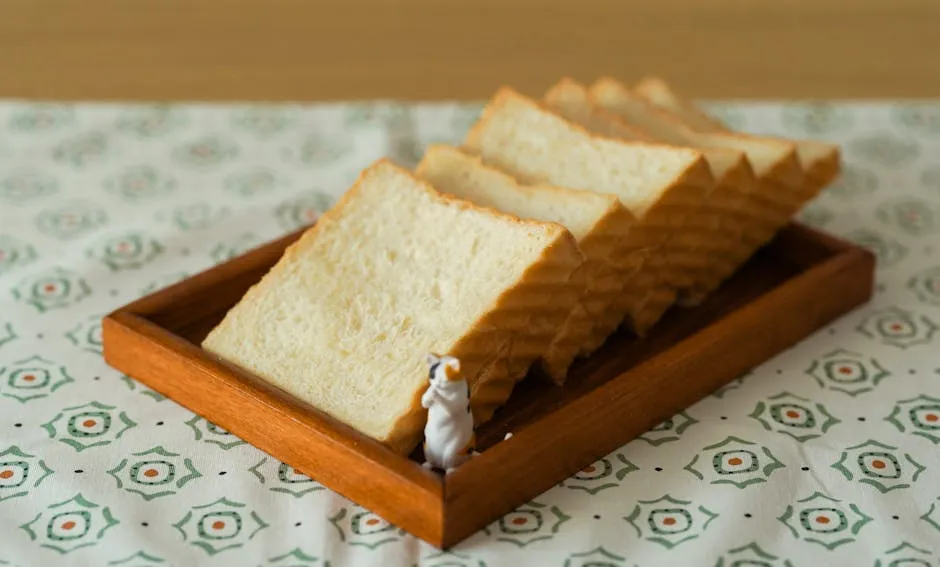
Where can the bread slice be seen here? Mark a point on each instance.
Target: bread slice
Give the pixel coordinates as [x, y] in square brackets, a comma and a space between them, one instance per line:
[662, 186]
[599, 223]
[633, 118]
[821, 162]
[769, 204]
[395, 270]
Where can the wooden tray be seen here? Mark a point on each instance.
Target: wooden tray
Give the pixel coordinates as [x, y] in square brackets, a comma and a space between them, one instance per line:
[801, 281]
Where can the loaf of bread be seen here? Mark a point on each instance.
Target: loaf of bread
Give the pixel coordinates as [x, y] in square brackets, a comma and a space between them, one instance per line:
[393, 271]
[599, 222]
[663, 186]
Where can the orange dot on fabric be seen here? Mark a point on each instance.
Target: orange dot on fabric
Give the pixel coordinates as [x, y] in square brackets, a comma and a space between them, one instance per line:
[845, 370]
[372, 521]
[311, 214]
[519, 521]
[6, 474]
[68, 525]
[878, 464]
[49, 287]
[29, 378]
[218, 525]
[822, 520]
[669, 521]
[588, 469]
[931, 417]
[89, 423]
[793, 414]
[895, 326]
[734, 461]
[150, 472]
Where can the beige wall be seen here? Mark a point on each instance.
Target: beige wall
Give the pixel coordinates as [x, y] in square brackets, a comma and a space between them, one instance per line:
[432, 49]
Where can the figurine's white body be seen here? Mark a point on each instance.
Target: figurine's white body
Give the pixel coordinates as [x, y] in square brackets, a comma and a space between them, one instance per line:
[449, 439]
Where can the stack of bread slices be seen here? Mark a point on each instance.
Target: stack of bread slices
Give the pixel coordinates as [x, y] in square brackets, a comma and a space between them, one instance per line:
[555, 223]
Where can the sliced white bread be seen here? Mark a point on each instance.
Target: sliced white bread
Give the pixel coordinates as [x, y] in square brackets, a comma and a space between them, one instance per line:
[775, 199]
[662, 186]
[821, 162]
[393, 271]
[635, 119]
[599, 223]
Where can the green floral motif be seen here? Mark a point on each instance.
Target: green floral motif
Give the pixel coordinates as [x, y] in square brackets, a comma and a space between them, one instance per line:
[528, 524]
[925, 285]
[20, 472]
[87, 335]
[878, 465]
[283, 478]
[597, 557]
[71, 524]
[905, 555]
[378, 114]
[669, 430]
[252, 182]
[794, 416]
[323, 149]
[41, 117]
[302, 211]
[140, 183]
[449, 559]
[154, 473]
[918, 116]
[751, 555]
[818, 118]
[407, 151]
[847, 372]
[899, 328]
[27, 186]
[293, 558]
[71, 220]
[128, 251]
[920, 416]
[31, 379]
[14, 253]
[7, 334]
[668, 521]
[853, 183]
[824, 520]
[57, 288]
[734, 461]
[265, 120]
[602, 474]
[89, 425]
[197, 216]
[888, 252]
[932, 517]
[133, 384]
[360, 527]
[206, 152]
[241, 244]
[139, 559]
[816, 215]
[731, 386]
[884, 149]
[220, 525]
[82, 149]
[913, 215]
[150, 121]
[212, 434]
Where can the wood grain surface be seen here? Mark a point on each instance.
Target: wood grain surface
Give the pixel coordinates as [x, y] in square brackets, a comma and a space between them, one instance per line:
[307, 50]
[799, 282]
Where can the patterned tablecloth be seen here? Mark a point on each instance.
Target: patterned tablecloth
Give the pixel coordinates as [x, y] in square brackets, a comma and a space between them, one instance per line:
[827, 454]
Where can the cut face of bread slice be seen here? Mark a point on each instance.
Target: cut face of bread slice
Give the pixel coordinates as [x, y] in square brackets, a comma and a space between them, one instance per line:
[599, 223]
[396, 270]
[821, 162]
[734, 178]
[662, 186]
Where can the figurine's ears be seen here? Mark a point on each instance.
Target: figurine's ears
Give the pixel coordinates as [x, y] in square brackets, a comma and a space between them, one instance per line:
[433, 358]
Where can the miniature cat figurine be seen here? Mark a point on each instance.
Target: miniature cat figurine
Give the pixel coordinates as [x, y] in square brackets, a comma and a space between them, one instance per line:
[449, 439]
